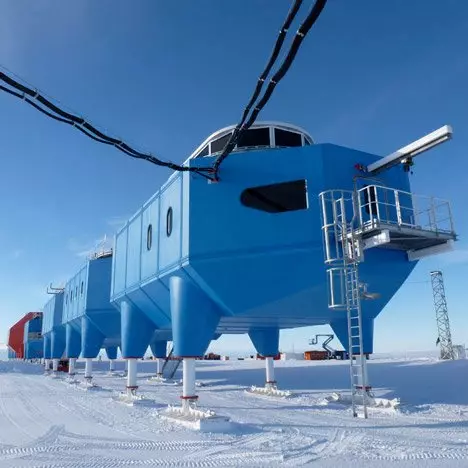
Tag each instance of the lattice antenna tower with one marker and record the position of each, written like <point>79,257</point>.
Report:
<point>442,318</point>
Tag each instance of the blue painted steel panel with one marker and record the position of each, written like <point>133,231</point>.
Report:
<point>33,341</point>
<point>133,252</point>
<point>87,301</point>
<point>120,262</point>
<point>149,257</point>
<point>46,342</point>
<point>34,349</point>
<point>52,313</point>
<point>170,245</point>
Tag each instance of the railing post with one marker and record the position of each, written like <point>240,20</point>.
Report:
<point>432,216</point>
<point>359,207</point>
<point>398,207</point>
<point>450,217</point>
<point>377,203</point>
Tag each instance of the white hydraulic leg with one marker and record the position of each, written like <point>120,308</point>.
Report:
<point>88,375</point>
<point>71,371</point>
<point>270,373</point>
<point>159,375</point>
<point>55,367</point>
<point>189,396</point>
<point>270,388</point>
<point>71,367</point>
<point>46,366</point>
<point>111,365</point>
<point>130,396</point>
<point>132,377</point>
<point>188,415</point>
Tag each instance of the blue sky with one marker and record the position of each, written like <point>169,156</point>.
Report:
<point>163,75</point>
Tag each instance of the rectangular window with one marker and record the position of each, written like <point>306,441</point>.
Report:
<point>220,143</point>
<point>277,198</point>
<point>254,137</point>
<point>285,138</point>
<point>203,152</point>
<point>370,199</point>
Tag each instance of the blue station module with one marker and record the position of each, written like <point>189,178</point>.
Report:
<point>89,319</point>
<point>243,255</point>
<point>246,254</point>
<point>33,341</point>
<point>53,331</point>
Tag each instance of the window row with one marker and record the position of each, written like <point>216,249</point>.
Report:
<point>149,230</point>
<point>257,137</point>
<point>72,295</point>
<point>273,198</point>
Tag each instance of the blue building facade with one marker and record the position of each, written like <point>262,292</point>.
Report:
<point>53,332</point>
<point>33,341</point>
<point>90,321</point>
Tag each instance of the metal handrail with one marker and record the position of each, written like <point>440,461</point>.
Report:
<point>381,199</point>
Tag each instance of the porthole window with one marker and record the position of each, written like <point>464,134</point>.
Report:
<point>66,298</point>
<point>149,237</point>
<point>76,291</point>
<point>169,222</point>
<point>277,198</point>
<point>82,287</point>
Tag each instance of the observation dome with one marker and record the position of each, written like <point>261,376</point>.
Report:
<point>259,135</point>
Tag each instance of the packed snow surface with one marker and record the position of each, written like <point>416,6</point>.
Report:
<point>46,422</point>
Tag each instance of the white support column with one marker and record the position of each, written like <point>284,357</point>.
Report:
<point>158,367</point>
<point>270,372</point>
<point>71,367</point>
<point>55,365</point>
<point>111,365</point>
<point>188,389</point>
<point>46,365</point>
<point>132,386</point>
<point>88,369</point>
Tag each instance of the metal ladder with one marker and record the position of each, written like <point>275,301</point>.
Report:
<point>357,359</point>
<point>343,251</point>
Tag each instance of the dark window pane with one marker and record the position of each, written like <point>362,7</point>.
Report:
<point>370,199</point>
<point>149,237</point>
<point>277,198</point>
<point>82,285</point>
<point>169,222</point>
<point>285,138</point>
<point>254,137</point>
<point>220,143</point>
<point>203,152</point>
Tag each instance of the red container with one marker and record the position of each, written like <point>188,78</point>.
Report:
<point>315,355</point>
<point>16,335</point>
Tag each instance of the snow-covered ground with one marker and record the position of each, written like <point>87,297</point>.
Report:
<point>48,423</point>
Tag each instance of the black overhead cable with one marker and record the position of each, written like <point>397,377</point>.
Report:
<point>276,78</point>
<point>274,55</point>
<point>33,97</point>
